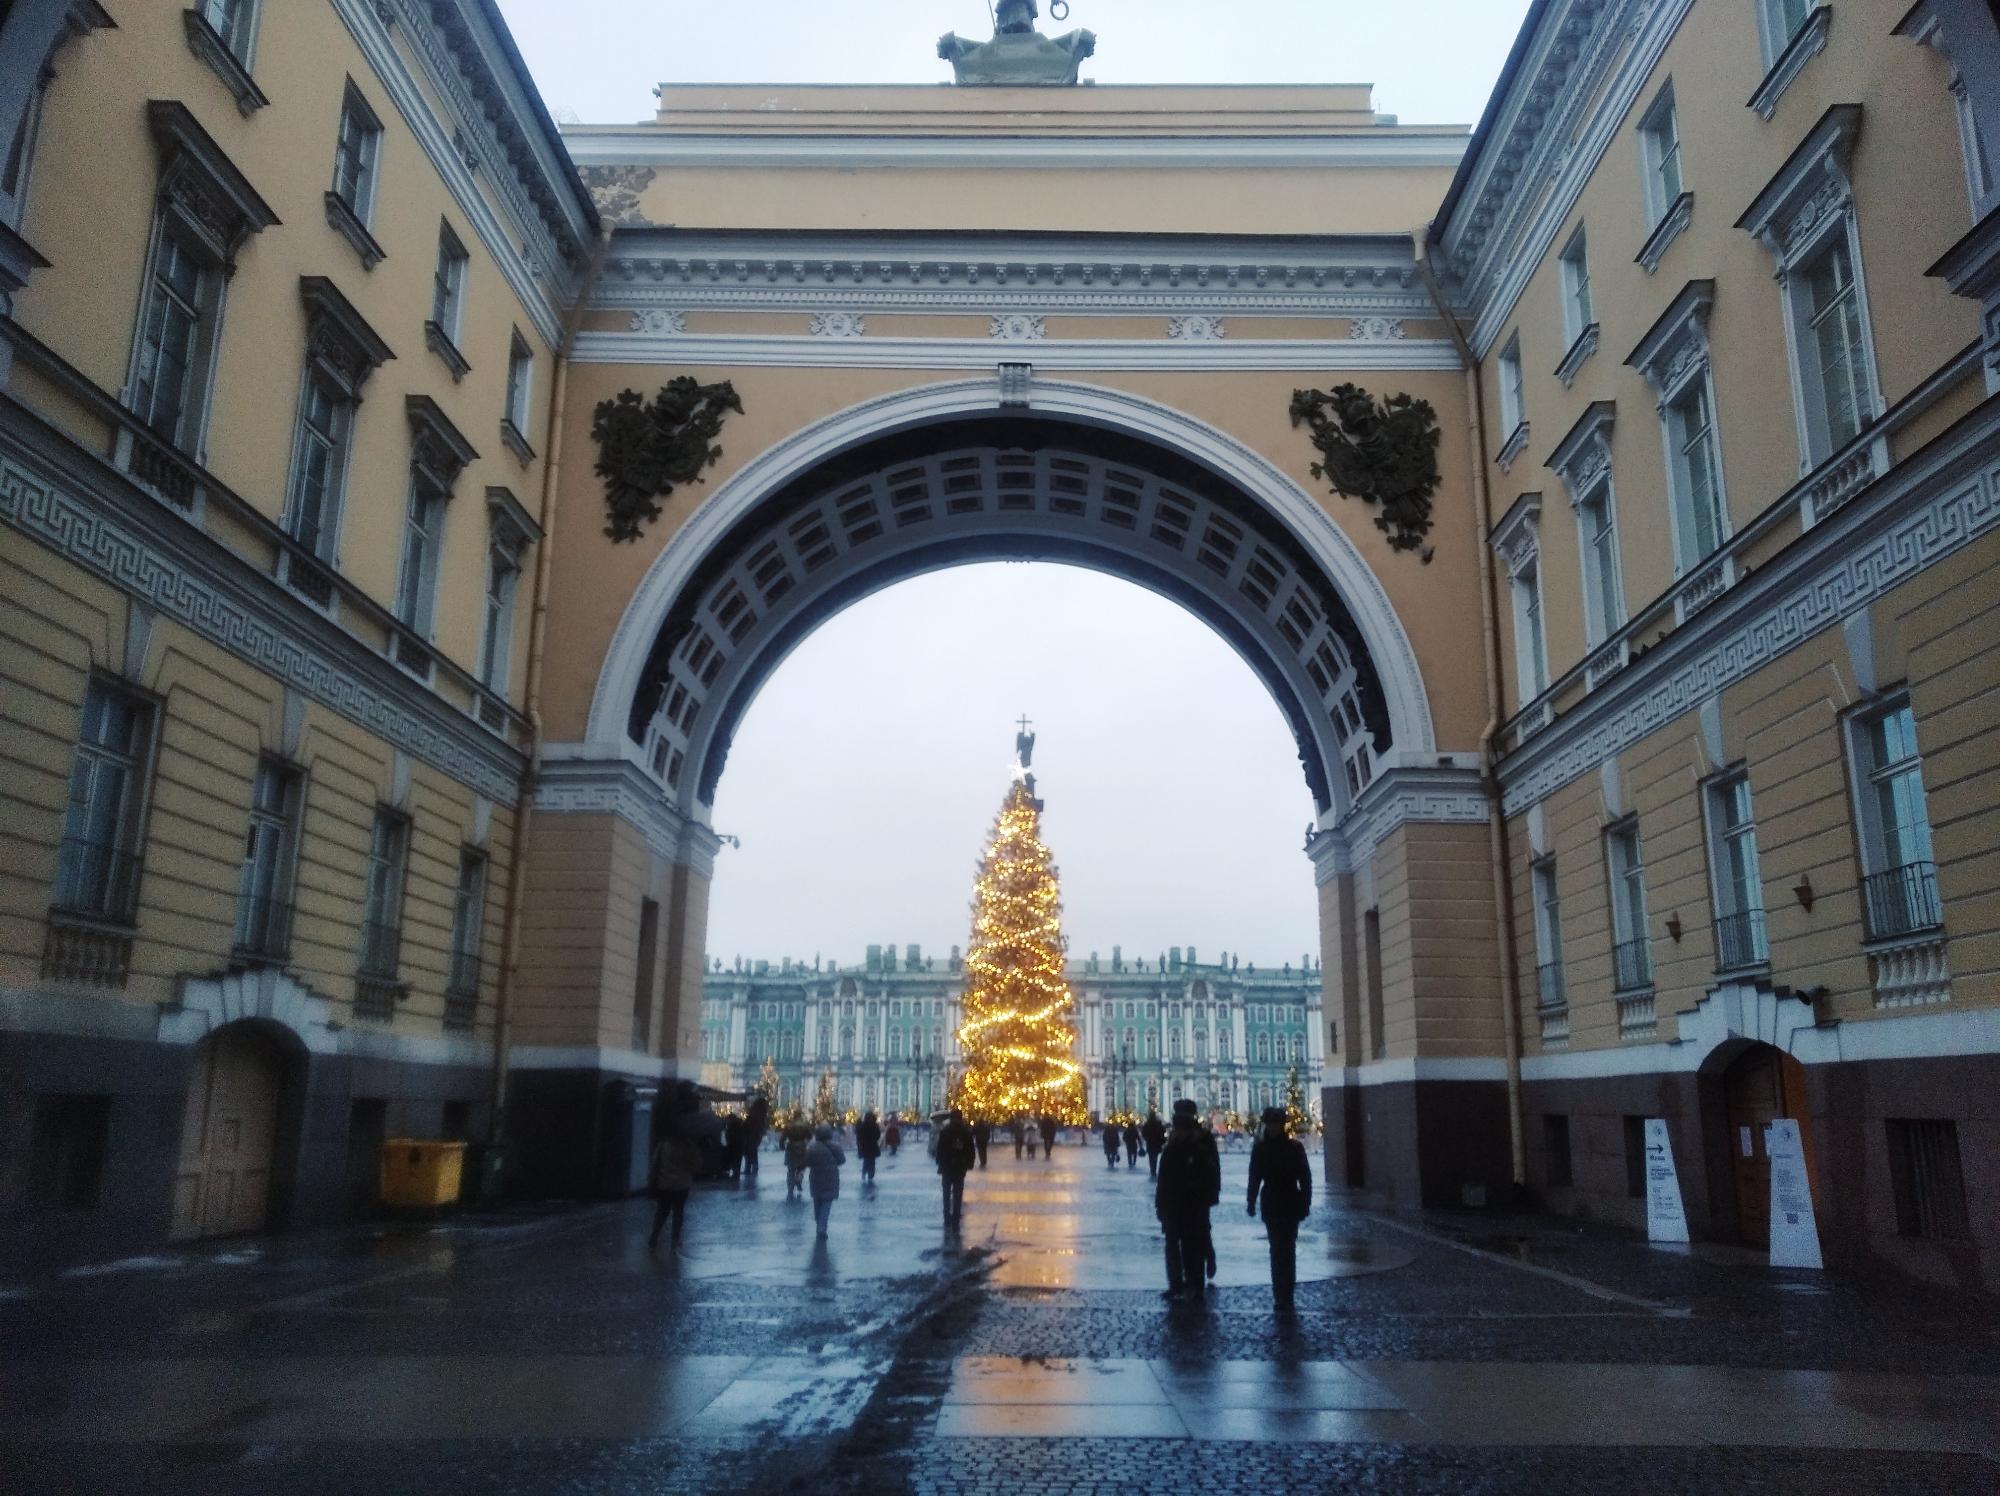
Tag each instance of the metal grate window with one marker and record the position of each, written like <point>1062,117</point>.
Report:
<point>1928,1179</point>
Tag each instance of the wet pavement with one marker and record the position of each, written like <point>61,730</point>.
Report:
<point>550,1351</point>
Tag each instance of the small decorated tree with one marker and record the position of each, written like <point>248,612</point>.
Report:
<point>826,1107</point>
<point>768,1084</point>
<point>1297,1117</point>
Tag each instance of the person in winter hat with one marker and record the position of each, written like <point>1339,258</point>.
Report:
<point>823,1160</point>
<point>798,1138</point>
<point>1282,1175</point>
<point>956,1151</point>
<point>868,1144</point>
<point>1189,1184</point>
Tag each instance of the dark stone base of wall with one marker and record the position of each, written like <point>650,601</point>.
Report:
<point>578,1134</point>
<point>1423,1143</point>
<point>1851,1105</point>
<point>334,1111</point>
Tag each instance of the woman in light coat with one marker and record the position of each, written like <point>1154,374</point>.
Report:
<point>823,1160</point>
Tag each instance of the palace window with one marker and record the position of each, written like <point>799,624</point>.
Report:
<point>1899,884</point>
<point>448,283</point>
<point>341,352</point>
<point>1697,495</point>
<point>18,168</point>
<point>1631,949</point>
<point>1927,1177</point>
<point>423,539</point>
<point>355,154</point>
<point>1740,939</point>
<point>97,864</point>
<point>520,392</point>
<point>1152,1044</point>
<point>1575,266</point>
<point>1549,990</point>
<point>468,920</point>
<point>1778,22</point>
<point>176,341</point>
<point>382,894</point>
<point>234,23</point>
<point>1660,155</point>
<point>1513,403</point>
<point>270,856</point>
<point>1517,538</point>
<point>1263,1049</point>
<point>319,465</point>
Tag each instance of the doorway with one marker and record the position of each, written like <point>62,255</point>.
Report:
<point>228,1136</point>
<point>1761,1085</point>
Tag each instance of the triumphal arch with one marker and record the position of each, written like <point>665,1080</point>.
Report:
<point>840,336</point>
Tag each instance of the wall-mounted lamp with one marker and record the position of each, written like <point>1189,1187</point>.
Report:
<point>1674,926</point>
<point>1803,891</point>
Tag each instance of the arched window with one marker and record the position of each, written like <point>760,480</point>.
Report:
<point>1263,1049</point>
<point>1131,1041</point>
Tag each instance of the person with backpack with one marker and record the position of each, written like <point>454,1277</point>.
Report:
<point>868,1144</point>
<point>955,1155</point>
<point>1280,1170</point>
<point>1189,1184</point>
<point>675,1160</point>
<point>823,1161</point>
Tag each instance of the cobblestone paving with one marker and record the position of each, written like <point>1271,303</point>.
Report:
<point>549,1352</point>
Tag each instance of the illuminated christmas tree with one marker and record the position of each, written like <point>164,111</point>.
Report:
<point>826,1107</point>
<point>768,1084</point>
<point>1019,1035</point>
<point>1297,1118</point>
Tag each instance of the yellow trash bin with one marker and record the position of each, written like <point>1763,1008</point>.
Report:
<point>420,1173</point>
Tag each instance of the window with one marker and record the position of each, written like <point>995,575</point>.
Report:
<point>176,340</point>
<point>354,155</point>
<point>1928,1179</point>
<point>234,21</point>
<point>1834,362</point>
<point>1899,873</point>
<point>468,922</point>
<point>448,283</point>
<point>1635,1158</point>
<point>319,464</point>
<point>520,392</point>
<point>1152,1044</point>
<point>97,865</point>
<point>1660,155</point>
<point>270,854</point>
<point>423,539</point>
<point>1548,934</point>
<point>1371,950</point>
<point>1699,527</point>
<point>1575,265</point>
<point>1781,21</point>
<point>382,894</point>
<point>1631,950</point>
<point>1555,1149</point>
<point>1597,534</point>
<point>1531,647</point>
<point>1739,885</point>
<point>1980,182</point>
<point>18,168</point>
<point>1513,409</point>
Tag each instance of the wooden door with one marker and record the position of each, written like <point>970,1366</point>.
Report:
<point>227,1136</point>
<point>1755,1093</point>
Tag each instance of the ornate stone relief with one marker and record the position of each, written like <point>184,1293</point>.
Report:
<point>838,325</point>
<point>616,191</point>
<point>1195,329</point>
<point>659,321</point>
<point>1517,539</point>
<point>1018,327</point>
<point>1376,329</point>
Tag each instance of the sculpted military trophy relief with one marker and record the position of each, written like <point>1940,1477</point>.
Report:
<point>467,573</point>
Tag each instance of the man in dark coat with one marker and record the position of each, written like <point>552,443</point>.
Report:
<point>1112,1133</point>
<point>1048,1137</point>
<point>1280,1170</point>
<point>1189,1173</point>
<point>1155,1134</point>
<point>955,1154</point>
<point>1020,1127</point>
<point>982,1138</point>
<point>756,1122</point>
<point>868,1143</point>
<point>1131,1144</point>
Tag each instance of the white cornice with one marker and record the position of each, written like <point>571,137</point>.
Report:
<point>651,145</point>
<point>534,283</point>
<point>1932,504</point>
<point>573,784</point>
<point>771,350</point>
<point>1397,797</point>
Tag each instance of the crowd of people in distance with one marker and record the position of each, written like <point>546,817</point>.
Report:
<point>1183,1159</point>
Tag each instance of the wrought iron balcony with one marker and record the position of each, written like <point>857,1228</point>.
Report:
<point>97,881</point>
<point>1902,901</point>
<point>1633,964</point>
<point>1549,985</point>
<point>1739,940</point>
<point>264,929</point>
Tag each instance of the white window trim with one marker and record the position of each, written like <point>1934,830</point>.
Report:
<point>354,102</point>
<point>1573,266</point>
<point>1785,57</point>
<point>1512,392</point>
<point>1672,357</point>
<point>1804,208</point>
<point>1628,926</point>
<point>1658,203</point>
<point>1721,892</point>
<point>1583,462</point>
<point>1861,774</point>
<point>333,522</point>
<point>1517,541</point>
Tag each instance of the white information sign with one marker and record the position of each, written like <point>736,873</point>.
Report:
<point>1666,1220</point>
<point>1794,1230</point>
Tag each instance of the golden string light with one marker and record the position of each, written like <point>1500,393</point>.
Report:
<point>1018,1035</point>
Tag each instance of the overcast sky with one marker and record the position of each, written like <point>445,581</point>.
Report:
<point>865,777</point>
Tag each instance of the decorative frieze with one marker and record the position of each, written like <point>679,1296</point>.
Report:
<point>1018,327</point>
<point>1197,329</point>
<point>660,322</point>
<point>838,325</point>
<point>1375,329</point>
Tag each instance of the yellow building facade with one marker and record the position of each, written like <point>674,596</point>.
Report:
<point>358,758</point>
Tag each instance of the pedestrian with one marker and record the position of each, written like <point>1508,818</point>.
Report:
<point>823,1161</point>
<point>1155,1135</point>
<point>868,1144</point>
<point>755,1126</point>
<point>1131,1143</point>
<point>1034,1136</point>
<point>798,1138</point>
<point>1048,1137</point>
<point>1019,1128</point>
<point>1190,1182</point>
<point>982,1138</point>
<point>1112,1134</point>
<point>675,1159</point>
<point>1278,1165</point>
<point>892,1135</point>
<point>955,1154</point>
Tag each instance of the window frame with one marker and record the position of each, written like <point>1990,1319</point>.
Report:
<point>106,903</point>
<point>285,825</point>
<point>468,923</point>
<point>1512,388</point>
<point>239,35</point>
<point>389,857</point>
<point>1602,574</point>
<point>448,278</point>
<point>359,199</point>
<point>1573,266</point>
<point>1866,776</point>
<point>520,393</point>
<point>1659,125</point>
<point>421,559</point>
<point>337,439</point>
<point>1625,887</point>
<point>1727,897</point>
<point>1545,898</point>
<point>1689,556</point>
<point>189,431</point>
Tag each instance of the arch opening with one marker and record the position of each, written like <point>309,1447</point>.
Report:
<point>784,557</point>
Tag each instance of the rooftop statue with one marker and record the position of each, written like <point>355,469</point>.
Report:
<point>1018,54</point>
